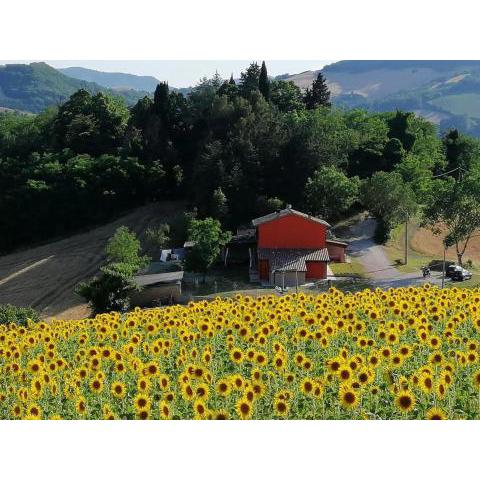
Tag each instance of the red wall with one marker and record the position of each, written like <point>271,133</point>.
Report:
<point>291,231</point>
<point>336,252</point>
<point>316,270</point>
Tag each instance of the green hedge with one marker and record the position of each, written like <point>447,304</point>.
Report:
<point>19,315</point>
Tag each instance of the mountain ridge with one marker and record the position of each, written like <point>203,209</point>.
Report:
<point>114,80</point>
<point>36,86</point>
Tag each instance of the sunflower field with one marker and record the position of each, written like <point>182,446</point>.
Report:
<point>407,353</point>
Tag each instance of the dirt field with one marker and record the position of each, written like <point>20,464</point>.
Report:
<point>44,277</point>
<point>423,241</point>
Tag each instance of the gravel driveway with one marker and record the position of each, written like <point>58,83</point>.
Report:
<point>377,265</point>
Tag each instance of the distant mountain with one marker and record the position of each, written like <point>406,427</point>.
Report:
<point>36,86</point>
<point>116,81</point>
<point>447,92</point>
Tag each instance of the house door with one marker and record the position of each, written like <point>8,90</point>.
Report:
<point>263,272</point>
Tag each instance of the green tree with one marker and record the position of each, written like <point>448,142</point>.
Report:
<point>389,198</point>
<point>124,247</point>
<point>400,127</point>
<point>264,82</point>
<point>219,204</point>
<point>112,289</point>
<point>330,192</point>
<point>286,96</point>
<point>249,80</point>
<point>91,124</point>
<point>454,211</point>
<point>461,152</point>
<point>157,237</point>
<point>209,240</point>
<point>318,95</point>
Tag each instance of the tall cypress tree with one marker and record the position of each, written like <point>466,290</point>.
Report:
<point>318,95</point>
<point>160,99</point>
<point>264,82</point>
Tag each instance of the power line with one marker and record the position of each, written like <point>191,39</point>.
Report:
<point>450,171</point>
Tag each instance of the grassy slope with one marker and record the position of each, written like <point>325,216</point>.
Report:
<point>352,269</point>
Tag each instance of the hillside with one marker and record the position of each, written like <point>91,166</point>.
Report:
<point>45,277</point>
<point>445,92</point>
<point>36,86</point>
<point>114,80</point>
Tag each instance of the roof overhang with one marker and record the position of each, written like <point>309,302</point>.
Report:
<point>285,212</point>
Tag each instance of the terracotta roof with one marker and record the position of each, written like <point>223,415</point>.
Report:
<point>283,213</point>
<point>288,259</point>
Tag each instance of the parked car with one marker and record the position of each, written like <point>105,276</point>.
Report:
<point>461,274</point>
<point>451,269</point>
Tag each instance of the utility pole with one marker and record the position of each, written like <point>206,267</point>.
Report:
<point>443,269</point>
<point>406,240</point>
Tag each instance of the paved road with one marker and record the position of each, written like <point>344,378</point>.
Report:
<point>375,261</point>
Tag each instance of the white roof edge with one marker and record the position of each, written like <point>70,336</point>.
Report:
<point>287,211</point>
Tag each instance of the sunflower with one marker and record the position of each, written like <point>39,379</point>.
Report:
<point>118,389</point>
<point>34,412</point>
<point>16,410</point>
<point>244,409</point>
<point>143,414</point>
<point>307,386</point>
<point>202,391</point>
<point>200,409</point>
<point>348,397</point>
<point>144,384</point>
<point>237,381</point>
<point>187,392</point>
<point>221,415</point>
<point>441,390</point>
<point>435,413</point>
<point>169,396</point>
<point>165,410</point>
<point>344,373</point>
<point>142,402</point>
<point>261,358</point>
<point>425,382</point>
<point>405,401</point>
<point>108,413</point>
<point>281,407</point>
<point>236,355</point>
<point>81,405</point>
<point>476,380</point>
<point>223,388</point>
<point>34,366</point>
<point>96,386</point>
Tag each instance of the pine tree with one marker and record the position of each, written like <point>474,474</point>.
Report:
<point>232,81</point>
<point>318,95</point>
<point>264,82</point>
<point>249,80</point>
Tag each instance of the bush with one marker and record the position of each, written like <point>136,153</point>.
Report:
<point>19,315</point>
<point>382,231</point>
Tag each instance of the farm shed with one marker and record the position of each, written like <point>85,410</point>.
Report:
<point>291,248</point>
<point>159,288</point>
<point>336,250</point>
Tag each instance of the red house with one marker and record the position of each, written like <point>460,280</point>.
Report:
<point>292,248</point>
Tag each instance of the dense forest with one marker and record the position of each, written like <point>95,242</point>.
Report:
<point>232,150</point>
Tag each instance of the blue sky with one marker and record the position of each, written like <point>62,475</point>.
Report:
<point>184,73</point>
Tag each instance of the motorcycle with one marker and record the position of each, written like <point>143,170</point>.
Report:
<point>426,272</point>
